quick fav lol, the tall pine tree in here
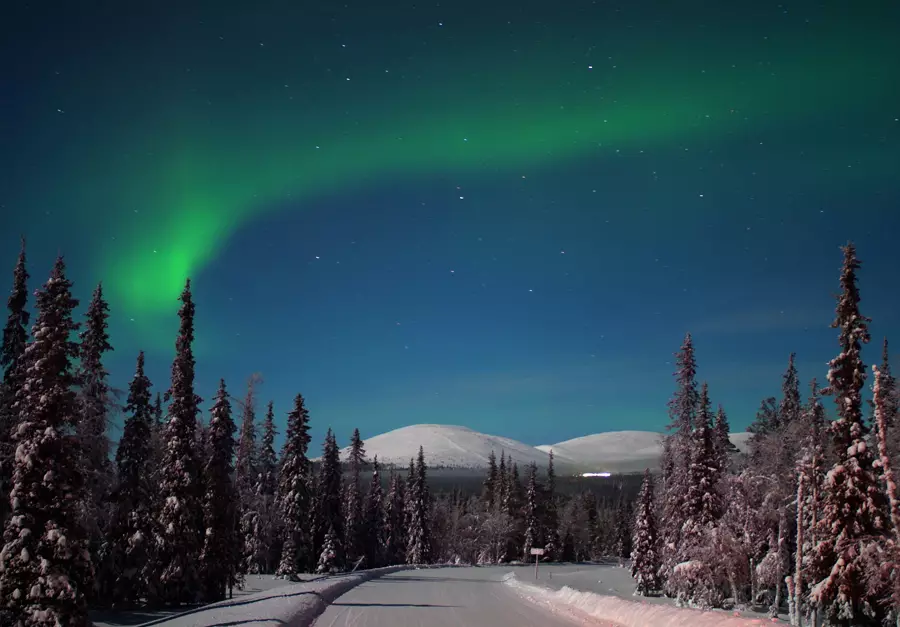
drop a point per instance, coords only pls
(353, 502)
(266, 489)
(550, 523)
(418, 544)
(645, 556)
(532, 531)
(294, 496)
(45, 569)
(374, 519)
(330, 520)
(15, 337)
(181, 516)
(219, 569)
(246, 480)
(395, 534)
(132, 531)
(854, 508)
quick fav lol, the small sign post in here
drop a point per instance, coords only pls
(537, 555)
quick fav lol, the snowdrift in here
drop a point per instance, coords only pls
(295, 605)
(623, 612)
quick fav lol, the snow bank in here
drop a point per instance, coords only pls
(623, 612)
(295, 605)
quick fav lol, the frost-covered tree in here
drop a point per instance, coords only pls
(330, 519)
(181, 517)
(489, 489)
(354, 530)
(645, 556)
(623, 531)
(418, 544)
(45, 568)
(722, 443)
(853, 506)
(328, 558)
(294, 496)
(703, 501)
(890, 401)
(219, 570)
(15, 337)
(395, 521)
(531, 513)
(266, 489)
(246, 474)
(374, 520)
(95, 403)
(550, 522)
(131, 535)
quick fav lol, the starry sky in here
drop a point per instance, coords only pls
(503, 215)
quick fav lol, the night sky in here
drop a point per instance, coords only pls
(503, 215)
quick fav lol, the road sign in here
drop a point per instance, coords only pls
(537, 551)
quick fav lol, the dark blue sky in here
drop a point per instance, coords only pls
(535, 289)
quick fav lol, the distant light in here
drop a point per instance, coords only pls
(596, 474)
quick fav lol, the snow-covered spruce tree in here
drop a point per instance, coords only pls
(395, 521)
(645, 557)
(722, 443)
(266, 490)
(294, 497)
(676, 453)
(180, 521)
(489, 489)
(245, 472)
(374, 520)
(45, 568)
(531, 513)
(330, 519)
(15, 337)
(95, 403)
(550, 522)
(131, 533)
(623, 528)
(418, 545)
(328, 558)
(890, 402)
(354, 530)
(703, 499)
(854, 508)
(218, 570)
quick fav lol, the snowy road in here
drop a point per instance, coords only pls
(443, 597)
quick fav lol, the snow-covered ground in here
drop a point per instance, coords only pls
(446, 597)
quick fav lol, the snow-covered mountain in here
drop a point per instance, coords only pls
(619, 451)
(447, 446)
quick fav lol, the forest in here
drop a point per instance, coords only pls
(183, 508)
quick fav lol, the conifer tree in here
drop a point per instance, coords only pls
(329, 506)
(395, 534)
(703, 501)
(218, 567)
(489, 490)
(374, 544)
(294, 496)
(645, 556)
(418, 545)
(266, 490)
(15, 337)
(722, 443)
(246, 478)
(181, 515)
(890, 401)
(623, 528)
(95, 401)
(531, 513)
(45, 569)
(550, 526)
(353, 503)
(854, 508)
(132, 530)
(502, 484)
(328, 558)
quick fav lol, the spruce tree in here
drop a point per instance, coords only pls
(218, 567)
(531, 513)
(623, 530)
(329, 506)
(132, 529)
(45, 569)
(722, 443)
(96, 401)
(854, 509)
(550, 523)
(395, 534)
(266, 490)
(353, 503)
(489, 490)
(890, 401)
(645, 556)
(181, 515)
(294, 496)
(328, 558)
(703, 501)
(15, 337)
(374, 543)
(246, 479)
(418, 545)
